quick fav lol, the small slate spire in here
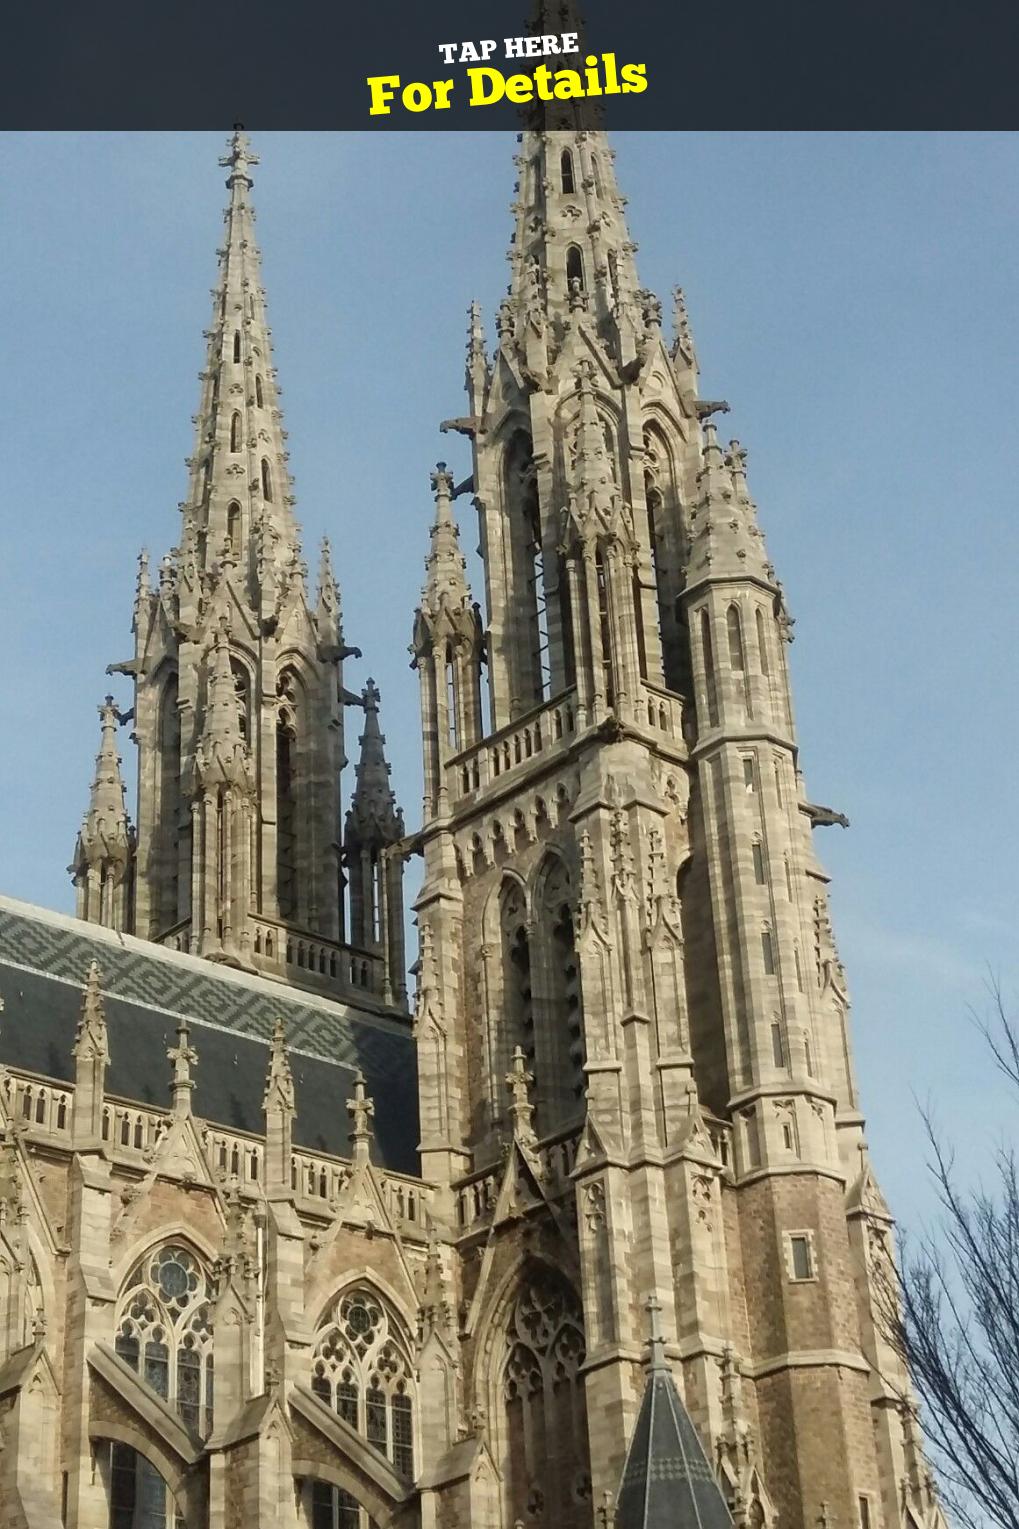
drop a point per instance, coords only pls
(667, 1482)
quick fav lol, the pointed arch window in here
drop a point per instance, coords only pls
(559, 1047)
(266, 481)
(287, 823)
(237, 345)
(242, 690)
(596, 174)
(518, 998)
(258, 392)
(362, 1370)
(762, 641)
(734, 631)
(452, 728)
(164, 1331)
(707, 650)
(529, 601)
(543, 1395)
(605, 626)
(566, 172)
(235, 432)
(574, 269)
(233, 525)
(169, 804)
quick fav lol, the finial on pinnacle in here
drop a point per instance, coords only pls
(239, 155)
(656, 1338)
(361, 1109)
(518, 1081)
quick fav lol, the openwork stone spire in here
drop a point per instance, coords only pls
(238, 674)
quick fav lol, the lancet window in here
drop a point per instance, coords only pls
(242, 690)
(574, 268)
(164, 1331)
(235, 432)
(516, 976)
(566, 172)
(169, 805)
(362, 1370)
(546, 1464)
(559, 1025)
(286, 793)
(233, 525)
(532, 653)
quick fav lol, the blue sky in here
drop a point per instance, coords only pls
(852, 295)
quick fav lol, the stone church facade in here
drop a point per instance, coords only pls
(283, 1244)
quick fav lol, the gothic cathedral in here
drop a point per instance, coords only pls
(581, 1235)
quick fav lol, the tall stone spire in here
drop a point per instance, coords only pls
(102, 866)
(238, 675)
(239, 491)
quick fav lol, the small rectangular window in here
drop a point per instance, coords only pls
(777, 1048)
(758, 849)
(788, 879)
(768, 951)
(748, 774)
(787, 1136)
(778, 782)
(864, 1513)
(807, 1056)
(803, 1263)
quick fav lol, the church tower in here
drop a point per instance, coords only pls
(239, 701)
(635, 1068)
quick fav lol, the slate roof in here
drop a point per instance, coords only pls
(667, 1482)
(43, 960)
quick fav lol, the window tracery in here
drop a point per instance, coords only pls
(544, 1398)
(164, 1331)
(362, 1370)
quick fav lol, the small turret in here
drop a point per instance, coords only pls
(373, 833)
(91, 1059)
(103, 862)
(447, 647)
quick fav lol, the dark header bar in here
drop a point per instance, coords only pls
(452, 66)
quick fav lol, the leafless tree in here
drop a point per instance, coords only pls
(956, 1318)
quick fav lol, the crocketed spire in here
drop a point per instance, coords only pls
(223, 756)
(102, 858)
(446, 590)
(725, 539)
(374, 816)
